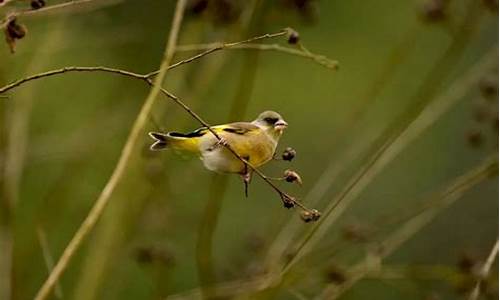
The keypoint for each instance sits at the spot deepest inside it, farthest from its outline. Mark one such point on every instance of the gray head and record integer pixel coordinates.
(272, 121)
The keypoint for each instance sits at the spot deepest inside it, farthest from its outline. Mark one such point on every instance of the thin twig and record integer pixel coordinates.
(287, 199)
(388, 145)
(96, 211)
(320, 59)
(5, 2)
(66, 70)
(284, 196)
(30, 12)
(331, 173)
(220, 46)
(443, 199)
(484, 272)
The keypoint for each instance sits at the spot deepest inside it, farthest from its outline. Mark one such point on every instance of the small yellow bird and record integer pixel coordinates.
(254, 141)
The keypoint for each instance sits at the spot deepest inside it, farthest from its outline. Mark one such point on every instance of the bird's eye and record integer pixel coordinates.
(271, 120)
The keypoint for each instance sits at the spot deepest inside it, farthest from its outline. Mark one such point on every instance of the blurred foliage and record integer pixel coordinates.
(60, 139)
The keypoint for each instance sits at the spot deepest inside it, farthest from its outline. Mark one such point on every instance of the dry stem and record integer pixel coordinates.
(287, 199)
(96, 211)
(101, 202)
(484, 272)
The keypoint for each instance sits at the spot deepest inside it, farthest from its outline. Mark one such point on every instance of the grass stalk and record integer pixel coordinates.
(393, 139)
(96, 211)
(442, 199)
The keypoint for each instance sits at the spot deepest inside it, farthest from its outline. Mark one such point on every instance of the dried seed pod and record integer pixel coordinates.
(292, 176)
(293, 36)
(37, 4)
(288, 201)
(288, 154)
(14, 31)
(312, 215)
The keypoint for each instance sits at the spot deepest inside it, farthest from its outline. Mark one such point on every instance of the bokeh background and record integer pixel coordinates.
(173, 229)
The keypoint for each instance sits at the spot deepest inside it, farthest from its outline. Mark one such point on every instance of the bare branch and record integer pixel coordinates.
(288, 200)
(31, 12)
(219, 46)
(320, 59)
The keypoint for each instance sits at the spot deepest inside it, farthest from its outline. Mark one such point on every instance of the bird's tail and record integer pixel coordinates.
(175, 140)
(161, 141)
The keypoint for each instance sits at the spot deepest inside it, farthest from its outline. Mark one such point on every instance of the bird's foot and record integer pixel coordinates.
(222, 142)
(247, 177)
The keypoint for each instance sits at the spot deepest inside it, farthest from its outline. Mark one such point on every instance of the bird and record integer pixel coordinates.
(254, 141)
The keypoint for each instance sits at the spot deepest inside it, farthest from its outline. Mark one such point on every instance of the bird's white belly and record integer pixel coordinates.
(222, 161)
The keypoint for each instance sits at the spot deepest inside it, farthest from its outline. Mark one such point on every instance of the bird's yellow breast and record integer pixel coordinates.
(255, 146)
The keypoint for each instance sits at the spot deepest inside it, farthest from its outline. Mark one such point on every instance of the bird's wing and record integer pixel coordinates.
(236, 127)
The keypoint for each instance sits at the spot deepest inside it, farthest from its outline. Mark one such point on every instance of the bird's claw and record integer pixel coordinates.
(221, 142)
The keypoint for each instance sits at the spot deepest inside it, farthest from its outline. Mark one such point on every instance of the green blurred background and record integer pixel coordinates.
(61, 137)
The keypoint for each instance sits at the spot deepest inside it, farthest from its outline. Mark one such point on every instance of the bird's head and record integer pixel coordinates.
(272, 122)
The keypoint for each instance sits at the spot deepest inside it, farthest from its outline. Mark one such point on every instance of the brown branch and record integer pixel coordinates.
(21, 81)
(220, 46)
(31, 12)
(288, 200)
(320, 59)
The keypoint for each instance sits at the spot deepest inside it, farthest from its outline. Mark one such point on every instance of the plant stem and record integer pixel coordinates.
(443, 199)
(484, 272)
(96, 211)
(390, 141)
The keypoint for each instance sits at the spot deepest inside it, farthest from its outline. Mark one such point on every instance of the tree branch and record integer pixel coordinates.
(288, 200)
(319, 59)
(31, 12)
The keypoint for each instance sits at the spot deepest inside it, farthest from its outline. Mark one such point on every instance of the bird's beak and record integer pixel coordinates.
(280, 125)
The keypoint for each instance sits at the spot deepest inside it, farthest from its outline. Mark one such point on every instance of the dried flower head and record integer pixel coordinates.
(310, 216)
(13, 32)
(289, 154)
(288, 201)
(293, 36)
(292, 176)
(37, 4)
